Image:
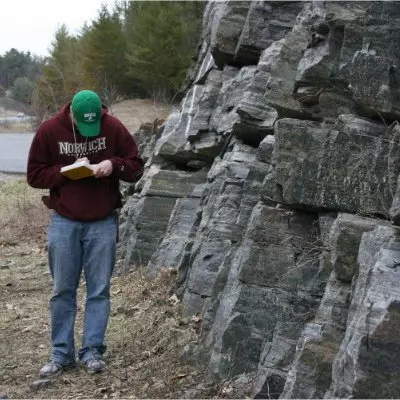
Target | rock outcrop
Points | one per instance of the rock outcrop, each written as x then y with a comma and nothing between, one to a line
273,191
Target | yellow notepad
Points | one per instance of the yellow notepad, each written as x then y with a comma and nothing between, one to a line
78,170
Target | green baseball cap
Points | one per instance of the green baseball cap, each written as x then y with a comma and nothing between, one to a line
86,109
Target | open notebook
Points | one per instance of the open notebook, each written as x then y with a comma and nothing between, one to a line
78,170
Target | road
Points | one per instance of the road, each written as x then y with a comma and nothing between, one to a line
14,149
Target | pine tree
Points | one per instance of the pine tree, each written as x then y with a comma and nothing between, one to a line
139,48
16,64
104,49
161,43
62,74
21,90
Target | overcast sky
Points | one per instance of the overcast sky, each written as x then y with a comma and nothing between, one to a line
29,25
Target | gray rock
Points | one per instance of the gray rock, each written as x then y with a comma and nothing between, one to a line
346,237
347,60
289,291
175,184
246,28
333,103
286,56
271,291
325,221
176,244
147,218
234,186
349,166
241,108
366,365
186,135
204,60
395,207
170,142
256,118
225,115
373,71
147,228
146,138
266,148
311,372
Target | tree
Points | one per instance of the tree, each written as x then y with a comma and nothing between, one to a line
161,43
21,90
62,73
137,48
104,49
16,64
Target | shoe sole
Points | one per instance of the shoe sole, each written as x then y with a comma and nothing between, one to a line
94,371
47,376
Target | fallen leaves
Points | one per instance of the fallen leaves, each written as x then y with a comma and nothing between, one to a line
197,322
173,300
28,328
179,377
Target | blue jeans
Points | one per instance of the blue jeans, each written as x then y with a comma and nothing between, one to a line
75,246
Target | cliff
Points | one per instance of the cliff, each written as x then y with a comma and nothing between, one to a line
273,191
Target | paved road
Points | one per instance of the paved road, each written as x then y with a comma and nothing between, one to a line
14,149
25,118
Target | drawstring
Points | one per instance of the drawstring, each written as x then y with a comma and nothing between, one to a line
83,147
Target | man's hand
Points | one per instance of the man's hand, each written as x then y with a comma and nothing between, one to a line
102,169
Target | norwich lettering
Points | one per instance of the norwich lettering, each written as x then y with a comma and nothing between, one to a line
82,149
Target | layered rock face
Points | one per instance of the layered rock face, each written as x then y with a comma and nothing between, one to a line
273,190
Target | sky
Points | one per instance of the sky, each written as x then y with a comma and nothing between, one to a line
30,25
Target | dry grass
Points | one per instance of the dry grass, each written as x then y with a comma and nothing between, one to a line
133,113
22,213
146,333
145,337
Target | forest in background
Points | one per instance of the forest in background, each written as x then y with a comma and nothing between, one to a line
131,49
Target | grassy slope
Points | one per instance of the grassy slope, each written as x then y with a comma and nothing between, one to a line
146,333
133,113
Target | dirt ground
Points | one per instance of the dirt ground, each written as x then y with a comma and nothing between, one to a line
145,337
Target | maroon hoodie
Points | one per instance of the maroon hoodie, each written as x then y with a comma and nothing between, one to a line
90,198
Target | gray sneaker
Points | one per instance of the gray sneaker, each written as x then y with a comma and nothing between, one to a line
94,365
53,368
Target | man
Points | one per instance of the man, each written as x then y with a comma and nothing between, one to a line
83,228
